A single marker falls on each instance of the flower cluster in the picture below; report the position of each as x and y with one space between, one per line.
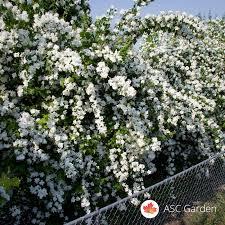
89 110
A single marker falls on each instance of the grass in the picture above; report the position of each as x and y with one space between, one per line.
210 218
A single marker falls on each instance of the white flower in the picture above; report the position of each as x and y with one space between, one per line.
102 69
26 121
15 211
90 89
85 202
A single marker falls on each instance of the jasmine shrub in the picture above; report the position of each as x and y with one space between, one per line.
91 109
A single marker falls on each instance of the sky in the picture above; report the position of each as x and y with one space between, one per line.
194 7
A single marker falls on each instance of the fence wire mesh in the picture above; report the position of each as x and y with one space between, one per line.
191 187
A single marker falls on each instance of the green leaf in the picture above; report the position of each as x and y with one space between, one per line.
9 183
43 121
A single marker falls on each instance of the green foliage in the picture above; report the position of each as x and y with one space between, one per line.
43 121
9 183
89 146
11 125
126 47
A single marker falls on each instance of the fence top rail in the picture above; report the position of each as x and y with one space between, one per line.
110 206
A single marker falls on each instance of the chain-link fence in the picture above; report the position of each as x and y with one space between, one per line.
190 187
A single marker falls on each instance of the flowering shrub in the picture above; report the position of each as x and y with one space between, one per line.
91 109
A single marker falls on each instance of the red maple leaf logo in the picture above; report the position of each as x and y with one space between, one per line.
150 208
